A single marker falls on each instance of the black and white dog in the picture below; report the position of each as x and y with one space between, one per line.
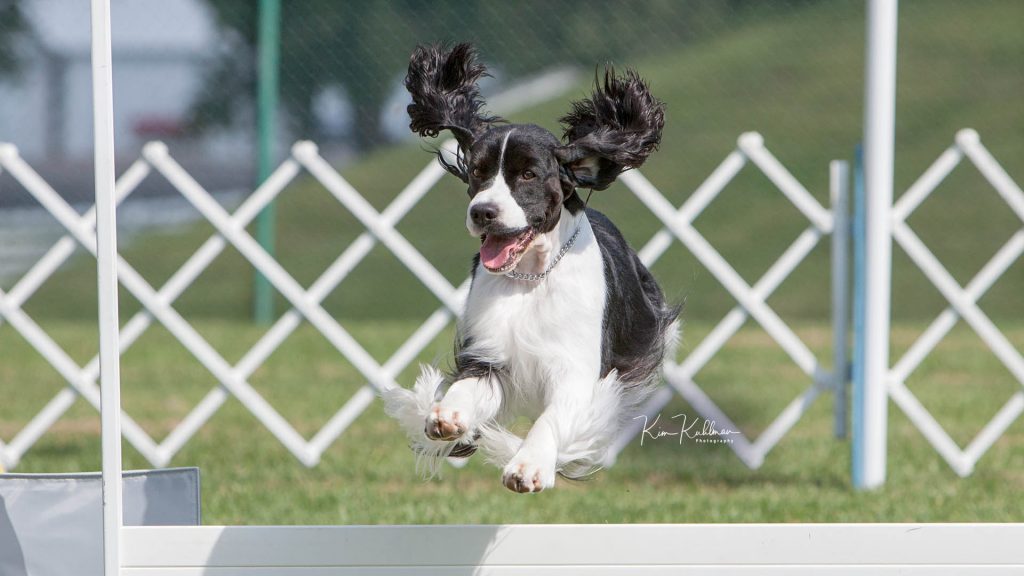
563 323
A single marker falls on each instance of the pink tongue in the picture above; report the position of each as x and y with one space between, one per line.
495 252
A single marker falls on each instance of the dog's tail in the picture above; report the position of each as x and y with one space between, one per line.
584 439
410 408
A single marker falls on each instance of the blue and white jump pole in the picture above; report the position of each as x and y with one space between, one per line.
874 277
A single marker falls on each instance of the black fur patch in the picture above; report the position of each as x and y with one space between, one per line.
636 315
617 128
445 95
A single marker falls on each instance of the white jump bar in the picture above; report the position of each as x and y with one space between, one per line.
576 549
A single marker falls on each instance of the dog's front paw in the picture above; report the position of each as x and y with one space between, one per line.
524 476
443 424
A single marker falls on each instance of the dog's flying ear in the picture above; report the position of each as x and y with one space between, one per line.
614 130
445 96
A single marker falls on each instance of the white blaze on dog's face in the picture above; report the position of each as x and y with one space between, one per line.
516 191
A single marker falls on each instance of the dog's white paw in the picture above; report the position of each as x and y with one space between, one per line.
444 424
524 476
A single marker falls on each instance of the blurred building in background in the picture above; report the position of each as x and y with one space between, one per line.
158 75
162 50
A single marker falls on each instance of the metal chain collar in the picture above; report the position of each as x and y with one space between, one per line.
558 257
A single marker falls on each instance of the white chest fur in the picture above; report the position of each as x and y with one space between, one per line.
544 332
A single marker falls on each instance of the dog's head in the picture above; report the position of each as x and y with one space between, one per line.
521 175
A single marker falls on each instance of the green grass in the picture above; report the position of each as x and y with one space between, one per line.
368 475
798 81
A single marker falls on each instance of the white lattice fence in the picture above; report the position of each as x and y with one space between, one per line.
157 303
380 228
963 301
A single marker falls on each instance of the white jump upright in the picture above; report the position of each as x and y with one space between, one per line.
106 272
879 126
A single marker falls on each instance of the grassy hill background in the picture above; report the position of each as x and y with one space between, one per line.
796 79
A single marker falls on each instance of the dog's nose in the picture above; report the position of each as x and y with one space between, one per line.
483 214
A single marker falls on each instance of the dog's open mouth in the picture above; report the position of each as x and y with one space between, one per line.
501 253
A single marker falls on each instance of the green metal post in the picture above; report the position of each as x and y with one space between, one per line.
269 52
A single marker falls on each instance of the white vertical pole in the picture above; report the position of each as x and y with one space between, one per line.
879 126
106 272
839 180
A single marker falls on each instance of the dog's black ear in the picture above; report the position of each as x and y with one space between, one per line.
445 96
616 129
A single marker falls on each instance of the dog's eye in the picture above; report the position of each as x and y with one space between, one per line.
478 173
528 175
